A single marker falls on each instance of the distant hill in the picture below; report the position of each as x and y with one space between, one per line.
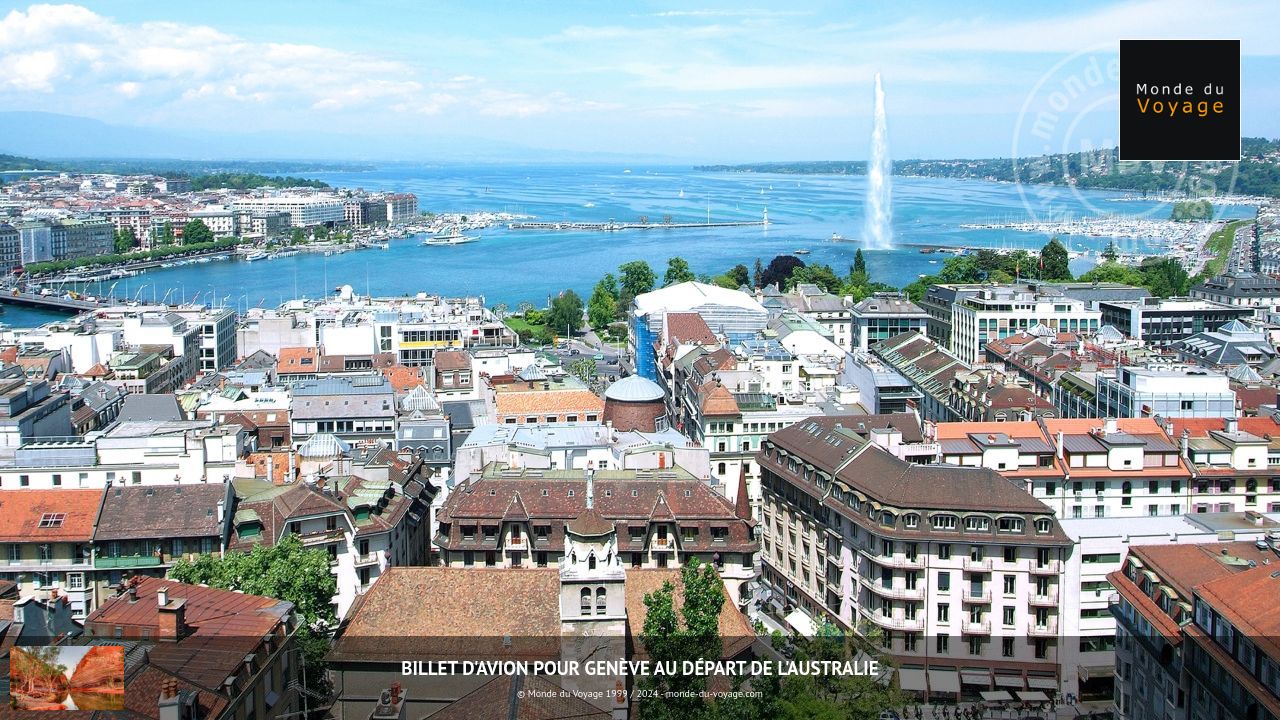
1259 170
15 162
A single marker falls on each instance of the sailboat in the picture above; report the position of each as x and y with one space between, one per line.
681 192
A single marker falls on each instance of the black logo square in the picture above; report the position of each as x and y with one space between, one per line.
1179 99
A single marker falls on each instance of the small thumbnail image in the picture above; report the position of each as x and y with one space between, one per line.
51 677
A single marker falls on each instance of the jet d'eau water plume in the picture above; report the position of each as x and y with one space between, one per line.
877 232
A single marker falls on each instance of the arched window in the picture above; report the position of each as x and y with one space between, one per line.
1251 485
600 601
591 561
586 601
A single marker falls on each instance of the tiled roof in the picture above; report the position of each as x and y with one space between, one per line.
1248 601
452 360
402 378
164 511
550 402
736 633
64 515
297 360
688 328
717 400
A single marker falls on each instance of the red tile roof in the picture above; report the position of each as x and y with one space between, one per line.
452 360
298 360
62 515
685 328
1200 427
402 378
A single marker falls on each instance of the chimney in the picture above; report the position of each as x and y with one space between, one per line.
222 510
1058 449
1110 426
391 704
591 486
1232 424
1185 443
162 595
173 620
133 595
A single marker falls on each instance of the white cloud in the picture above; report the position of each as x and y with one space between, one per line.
29 71
129 89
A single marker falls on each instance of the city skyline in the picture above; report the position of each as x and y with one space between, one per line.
664 82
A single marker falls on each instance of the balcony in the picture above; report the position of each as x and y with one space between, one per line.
50 564
663 544
517 543
896 593
977 596
1052 567
1043 600
972 565
128 561
897 623
893 561
367 559
1048 628
324 537
976 628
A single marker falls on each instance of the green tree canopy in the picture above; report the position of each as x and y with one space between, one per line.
196 232
1054 261
779 271
677 272
859 262
602 308
821 275
739 275
125 240
637 278
565 313
667 639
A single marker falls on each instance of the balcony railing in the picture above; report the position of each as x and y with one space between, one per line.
50 563
1048 628
977 596
979 565
664 543
896 593
897 623
369 558
976 628
1050 600
128 561
1052 567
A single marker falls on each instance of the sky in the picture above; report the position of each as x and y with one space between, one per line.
683 80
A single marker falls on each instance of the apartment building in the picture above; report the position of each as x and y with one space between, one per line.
401 207
930 368
48 543
958 568
882 316
813 303
10 248
304 210
1195 629
517 517
1164 390
1255 291
30 410
1235 463
352 408
724 312
996 312
1163 321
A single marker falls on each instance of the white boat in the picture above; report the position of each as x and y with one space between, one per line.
802 252
589 205
452 238
836 237
255 255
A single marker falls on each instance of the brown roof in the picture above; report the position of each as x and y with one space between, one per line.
452 360
1248 601
520 697
144 690
64 515
297 360
548 402
588 524
687 328
165 511
455 613
717 400
402 378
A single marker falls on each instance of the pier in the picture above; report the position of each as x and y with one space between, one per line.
612 226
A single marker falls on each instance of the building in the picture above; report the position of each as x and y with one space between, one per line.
531 397
1195 629
366 523
352 408
30 410
1229 346
724 311
1260 293
451 374
828 310
635 403
1164 390
48 543
133 216
882 316
1164 321
10 248
65 239
222 222
209 654
143 530
880 388
997 312
1235 463
929 367
958 568
304 210
401 207
518 516
264 223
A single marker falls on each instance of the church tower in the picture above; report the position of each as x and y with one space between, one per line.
593 603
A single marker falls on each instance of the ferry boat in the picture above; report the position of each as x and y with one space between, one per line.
452 238
255 255
836 237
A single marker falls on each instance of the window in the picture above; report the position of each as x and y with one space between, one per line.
1011 525
1008 617
51 520
57 480
944 613
490 558
1010 584
942 644
944 581
585 602
944 551
24 481
1010 554
1006 647
601 603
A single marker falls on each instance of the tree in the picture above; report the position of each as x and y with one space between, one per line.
166 235
565 313
677 272
584 368
125 241
297 236
196 232
1054 261
667 640
831 695
739 275
285 571
501 310
1165 277
637 278
779 271
321 232
757 274
859 262
821 275
1110 254
1113 272
602 308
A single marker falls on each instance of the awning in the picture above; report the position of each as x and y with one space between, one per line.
1044 683
944 681
1009 681
975 677
996 696
801 623
911 679
1095 671
1033 696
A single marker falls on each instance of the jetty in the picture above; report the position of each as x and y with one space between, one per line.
614 226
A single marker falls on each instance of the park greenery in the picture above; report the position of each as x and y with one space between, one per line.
160 252
288 571
249 181
1192 210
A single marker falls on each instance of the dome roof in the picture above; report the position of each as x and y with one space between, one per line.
634 389
323 445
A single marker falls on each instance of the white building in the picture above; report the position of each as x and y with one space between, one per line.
997 312
304 210
1164 390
